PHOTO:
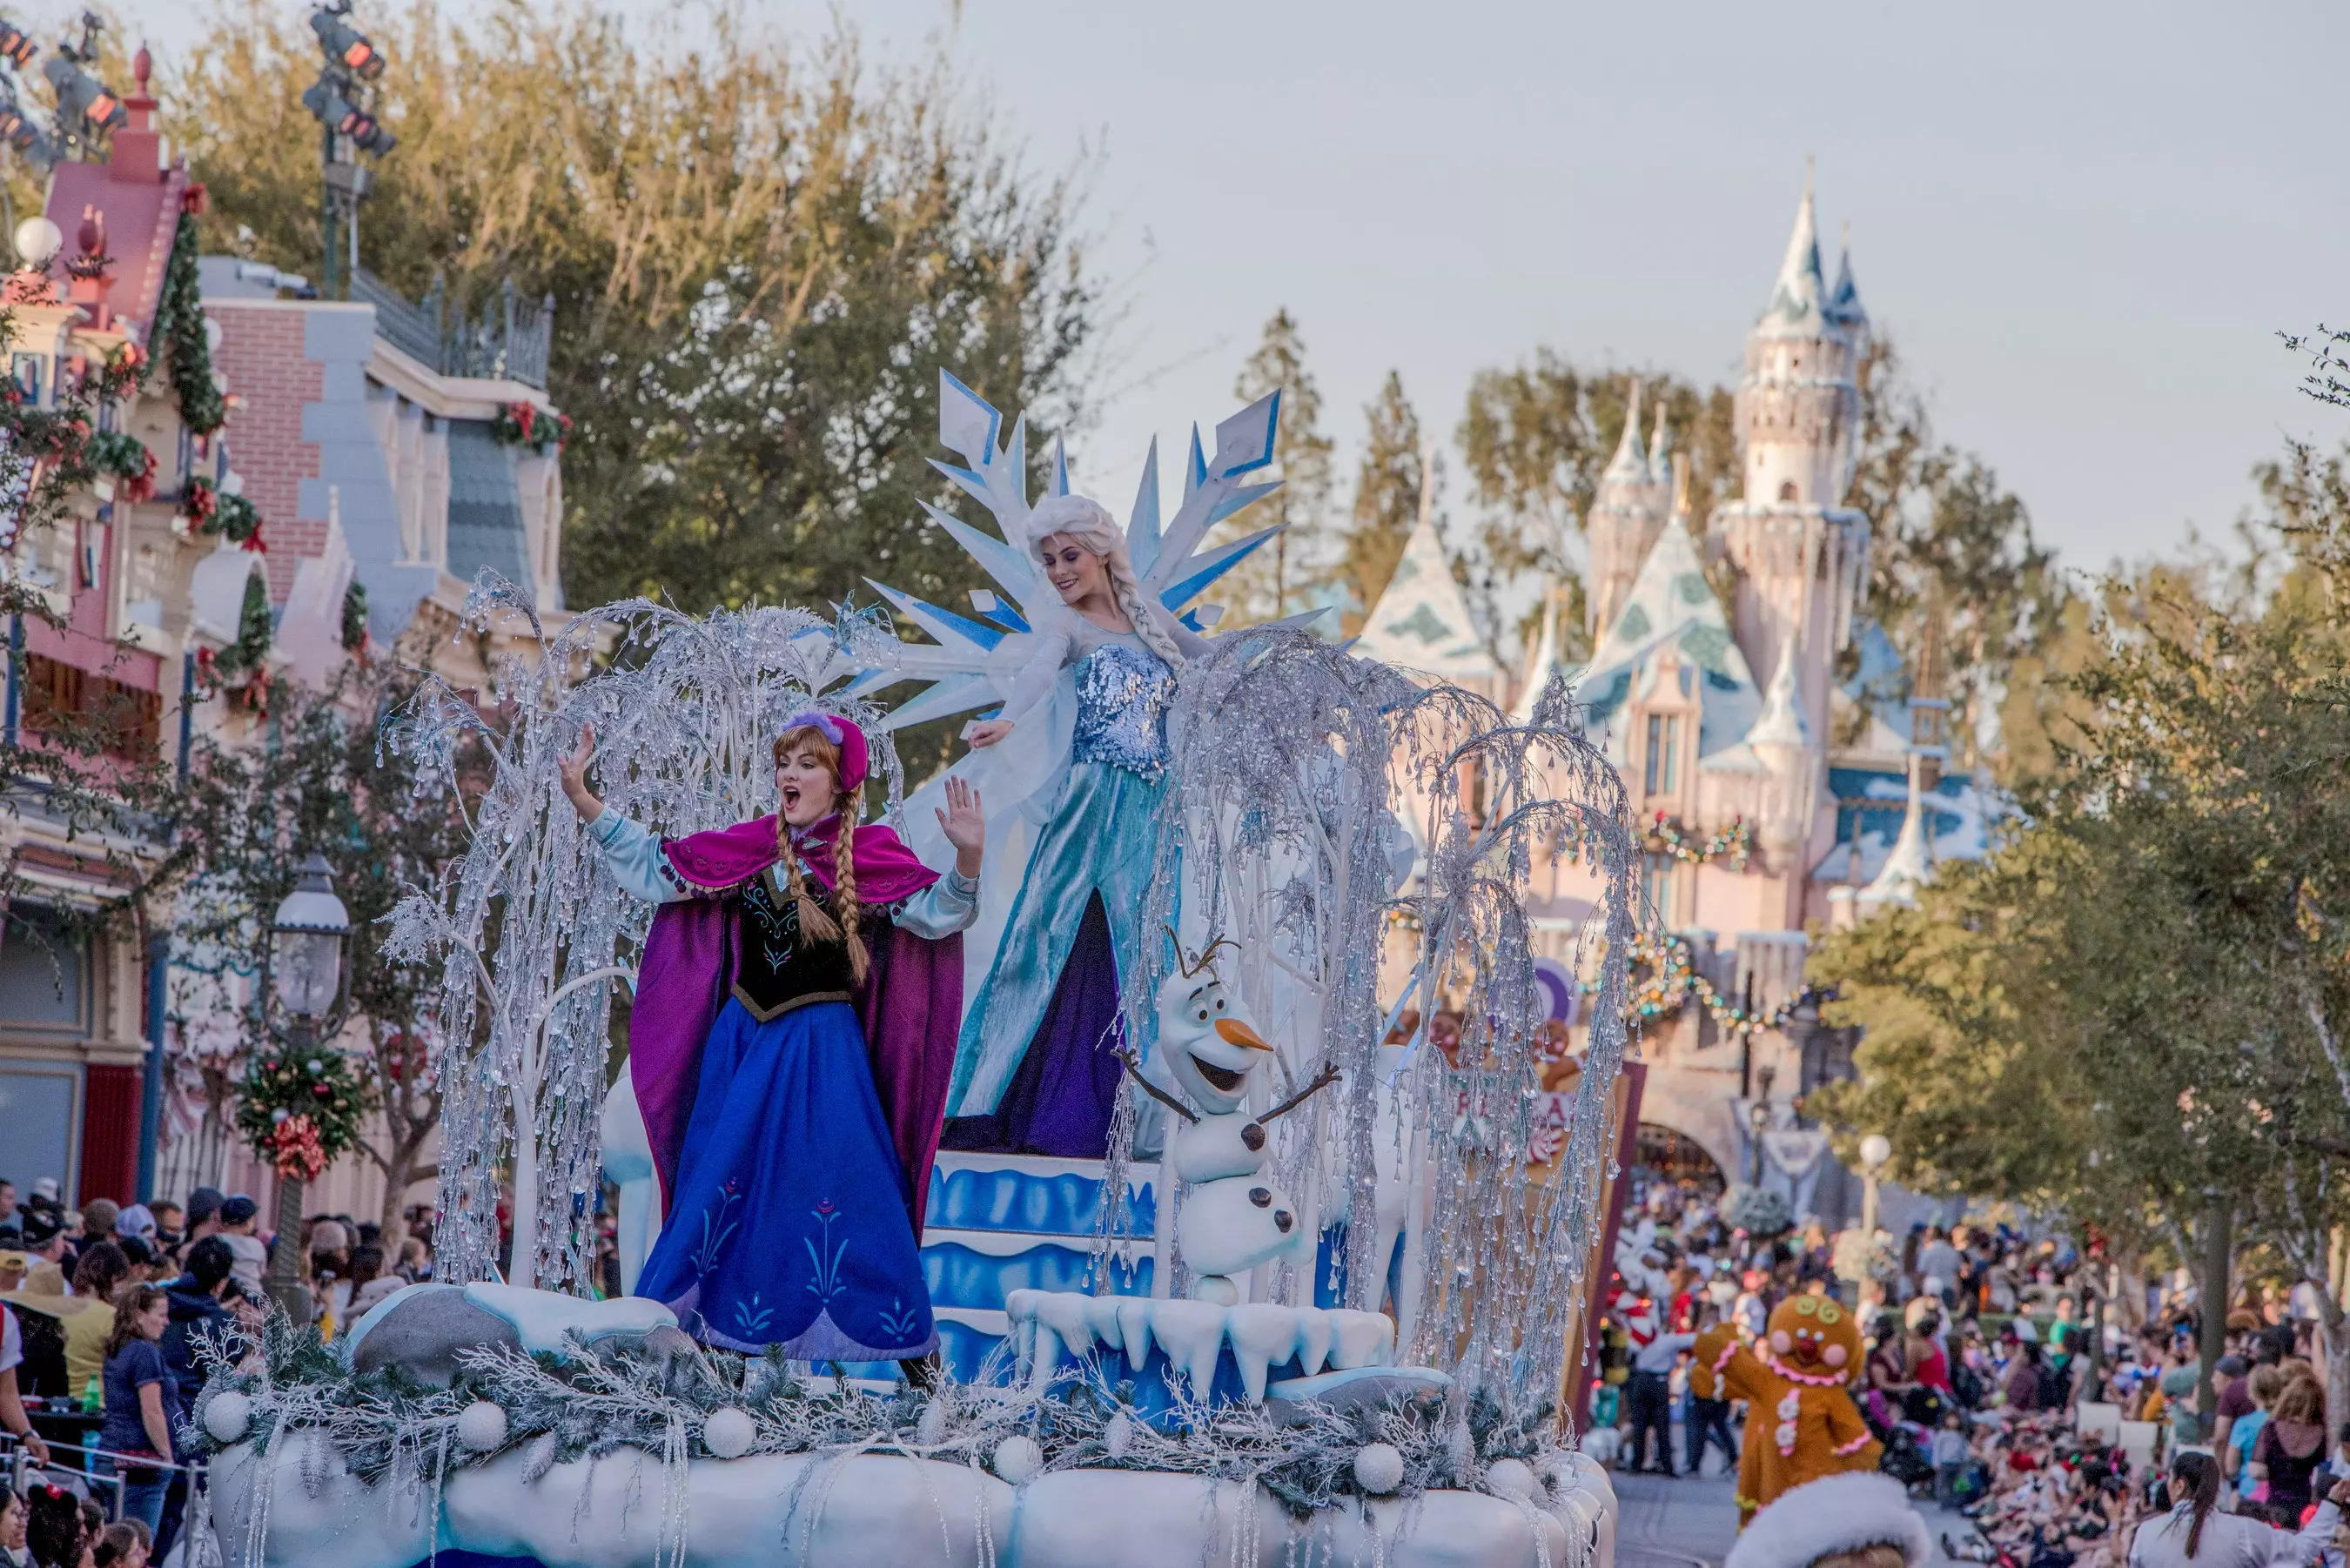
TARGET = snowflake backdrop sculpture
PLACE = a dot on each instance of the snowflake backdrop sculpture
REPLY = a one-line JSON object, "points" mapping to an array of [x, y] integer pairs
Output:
{"points": [[1297, 767]]}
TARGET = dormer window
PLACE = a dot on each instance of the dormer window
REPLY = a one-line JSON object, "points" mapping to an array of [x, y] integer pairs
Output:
{"points": [[1663, 767], [30, 372], [1787, 491]]}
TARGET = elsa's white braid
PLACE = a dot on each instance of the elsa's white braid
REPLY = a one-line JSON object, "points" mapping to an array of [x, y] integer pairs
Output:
{"points": [[1129, 600], [1089, 524]]}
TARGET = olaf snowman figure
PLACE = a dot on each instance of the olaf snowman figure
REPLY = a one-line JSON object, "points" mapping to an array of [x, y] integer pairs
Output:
{"points": [[1230, 1220]]}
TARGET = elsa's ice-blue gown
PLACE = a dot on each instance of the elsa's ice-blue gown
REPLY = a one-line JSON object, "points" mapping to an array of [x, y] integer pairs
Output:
{"points": [[1035, 1070]]}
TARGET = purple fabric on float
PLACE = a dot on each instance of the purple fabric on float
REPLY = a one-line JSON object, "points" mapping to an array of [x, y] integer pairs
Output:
{"points": [[911, 1010], [688, 972], [887, 871], [1062, 1097]]}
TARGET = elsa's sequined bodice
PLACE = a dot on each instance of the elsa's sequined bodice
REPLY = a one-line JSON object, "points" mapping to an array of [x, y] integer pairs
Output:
{"points": [[1123, 692]]}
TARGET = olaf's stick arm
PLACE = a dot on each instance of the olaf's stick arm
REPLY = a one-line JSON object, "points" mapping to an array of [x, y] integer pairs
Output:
{"points": [[1329, 1076], [1134, 1067]]}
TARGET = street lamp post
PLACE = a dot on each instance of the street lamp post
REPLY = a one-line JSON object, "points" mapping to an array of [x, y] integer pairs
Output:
{"points": [[305, 972], [1758, 1121], [1875, 1150]]}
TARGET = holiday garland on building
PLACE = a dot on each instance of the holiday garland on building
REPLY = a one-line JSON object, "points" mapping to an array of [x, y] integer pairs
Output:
{"points": [[355, 618], [216, 512], [525, 424], [1734, 843], [299, 1108], [125, 459], [1664, 977], [179, 330]]}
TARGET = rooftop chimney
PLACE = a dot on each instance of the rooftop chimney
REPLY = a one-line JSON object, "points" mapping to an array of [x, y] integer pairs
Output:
{"points": [[136, 157]]}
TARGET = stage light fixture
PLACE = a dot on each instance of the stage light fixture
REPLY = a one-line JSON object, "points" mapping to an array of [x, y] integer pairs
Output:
{"points": [[16, 47], [82, 97], [326, 103], [346, 45]]}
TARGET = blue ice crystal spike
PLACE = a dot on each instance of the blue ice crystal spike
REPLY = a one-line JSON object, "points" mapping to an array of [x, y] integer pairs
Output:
{"points": [[954, 694], [942, 623], [1014, 477], [1143, 527], [1243, 496], [1197, 474], [1060, 468], [971, 484], [1209, 564], [1014, 571], [1244, 442], [967, 423]]}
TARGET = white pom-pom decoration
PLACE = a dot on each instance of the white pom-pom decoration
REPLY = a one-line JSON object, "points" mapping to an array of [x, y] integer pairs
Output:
{"points": [[482, 1426], [1018, 1457], [1512, 1479], [1378, 1468], [729, 1433], [1117, 1435], [229, 1417]]}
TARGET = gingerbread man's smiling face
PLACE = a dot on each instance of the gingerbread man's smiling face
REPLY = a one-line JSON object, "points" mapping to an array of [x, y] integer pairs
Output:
{"points": [[1813, 1334]]}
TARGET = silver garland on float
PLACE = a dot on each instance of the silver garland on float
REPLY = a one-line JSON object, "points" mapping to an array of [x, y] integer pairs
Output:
{"points": [[528, 929], [1295, 770]]}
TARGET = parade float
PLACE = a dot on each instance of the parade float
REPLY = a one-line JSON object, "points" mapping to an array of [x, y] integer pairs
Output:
{"points": [[1240, 1266]]}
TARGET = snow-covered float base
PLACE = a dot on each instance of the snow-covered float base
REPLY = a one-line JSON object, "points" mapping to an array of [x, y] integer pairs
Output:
{"points": [[872, 1510]]}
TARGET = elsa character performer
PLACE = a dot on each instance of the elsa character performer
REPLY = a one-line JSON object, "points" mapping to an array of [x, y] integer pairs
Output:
{"points": [[788, 1048], [1037, 1070]]}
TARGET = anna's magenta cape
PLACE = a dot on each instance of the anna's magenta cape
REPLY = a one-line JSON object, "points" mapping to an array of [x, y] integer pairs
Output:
{"points": [[910, 1006]]}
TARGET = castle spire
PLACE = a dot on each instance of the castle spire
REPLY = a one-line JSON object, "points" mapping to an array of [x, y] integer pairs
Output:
{"points": [[1844, 300], [1629, 465], [1660, 446], [1801, 291]]}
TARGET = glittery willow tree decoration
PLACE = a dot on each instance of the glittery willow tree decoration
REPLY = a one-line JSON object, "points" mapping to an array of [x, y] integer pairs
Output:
{"points": [[529, 932], [1296, 769]]}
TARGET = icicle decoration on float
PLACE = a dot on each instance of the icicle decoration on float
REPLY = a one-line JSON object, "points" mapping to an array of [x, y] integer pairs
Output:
{"points": [[1295, 764], [529, 932]]}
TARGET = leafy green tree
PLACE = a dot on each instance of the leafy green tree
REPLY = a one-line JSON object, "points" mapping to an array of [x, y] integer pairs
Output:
{"points": [[1387, 500], [1952, 561], [760, 255], [1291, 573]]}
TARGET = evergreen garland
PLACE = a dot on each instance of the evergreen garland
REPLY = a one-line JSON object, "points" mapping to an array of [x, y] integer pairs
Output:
{"points": [[253, 631], [384, 1423], [354, 616], [180, 329]]}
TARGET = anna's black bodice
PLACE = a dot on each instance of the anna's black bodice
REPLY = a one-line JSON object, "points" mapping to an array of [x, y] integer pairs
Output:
{"points": [[778, 971]]}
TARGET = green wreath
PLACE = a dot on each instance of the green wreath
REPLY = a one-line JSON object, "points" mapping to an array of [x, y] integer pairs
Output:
{"points": [[300, 1109]]}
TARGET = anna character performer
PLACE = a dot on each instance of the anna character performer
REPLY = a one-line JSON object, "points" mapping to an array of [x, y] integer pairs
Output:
{"points": [[1037, 1069], [792, 1028]]}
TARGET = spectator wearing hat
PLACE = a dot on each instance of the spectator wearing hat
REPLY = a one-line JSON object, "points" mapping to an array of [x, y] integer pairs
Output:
{"points": [[238, 1218], [204, 1213], [204, 1302], [44, 1246]]}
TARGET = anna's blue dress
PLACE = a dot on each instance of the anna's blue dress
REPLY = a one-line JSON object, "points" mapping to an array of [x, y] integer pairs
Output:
{"points": [[787, 1222], [1035, 1068]]}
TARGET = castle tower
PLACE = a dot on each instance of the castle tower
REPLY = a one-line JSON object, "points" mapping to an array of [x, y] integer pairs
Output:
{"points": [[1627, 511], [1801, 555]]}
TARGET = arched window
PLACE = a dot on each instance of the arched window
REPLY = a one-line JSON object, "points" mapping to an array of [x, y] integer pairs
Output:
{"points": [[1787, 491]]}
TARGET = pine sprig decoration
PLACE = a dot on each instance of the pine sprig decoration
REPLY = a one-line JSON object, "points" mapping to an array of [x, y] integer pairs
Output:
{"points": [[179, 334], [563, 1409]]}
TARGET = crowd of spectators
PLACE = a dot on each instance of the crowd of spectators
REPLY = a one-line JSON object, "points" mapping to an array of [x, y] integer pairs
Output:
{"points": [[2002, 1372], [108, 1316]]}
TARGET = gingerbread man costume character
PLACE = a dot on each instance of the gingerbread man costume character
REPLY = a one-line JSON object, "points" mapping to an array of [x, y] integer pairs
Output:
{"points": [[1801, 1421]]}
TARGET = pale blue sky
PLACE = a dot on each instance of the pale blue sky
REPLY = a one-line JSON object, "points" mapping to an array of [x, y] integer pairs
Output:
{"points": [[2083, 224]]}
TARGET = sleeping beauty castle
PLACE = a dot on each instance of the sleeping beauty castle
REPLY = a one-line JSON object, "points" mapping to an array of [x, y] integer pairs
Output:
{"points": [[1775, 797]]}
